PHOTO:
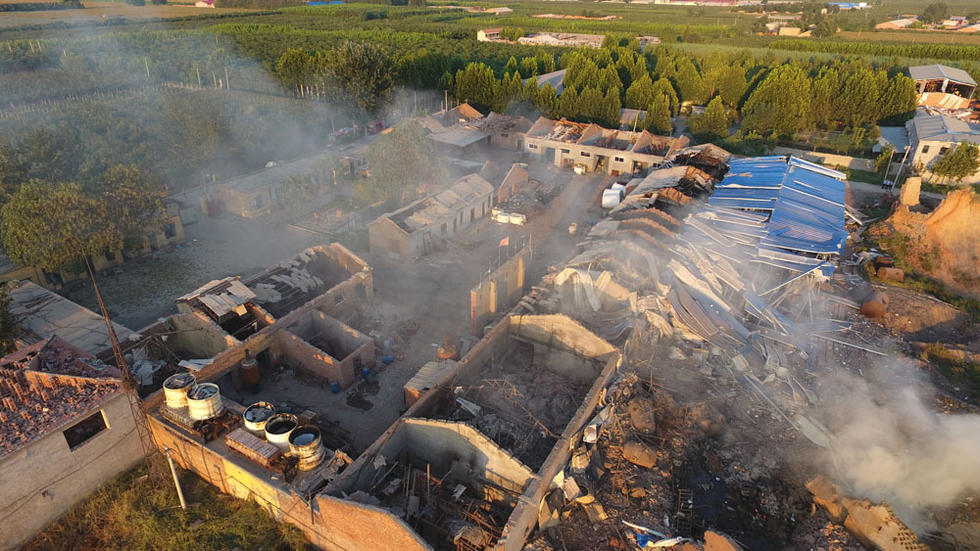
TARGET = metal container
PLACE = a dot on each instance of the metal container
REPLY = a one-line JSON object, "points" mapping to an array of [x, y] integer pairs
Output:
{"points": [[306, 444], [204, 402], [249, 370], [278, 428], [175, 389], [256, 416]]}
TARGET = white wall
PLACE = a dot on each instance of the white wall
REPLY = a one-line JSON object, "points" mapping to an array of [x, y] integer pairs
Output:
{"points": [[41, 481]]}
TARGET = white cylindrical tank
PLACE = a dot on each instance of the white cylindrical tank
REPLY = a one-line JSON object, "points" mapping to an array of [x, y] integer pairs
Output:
{"points": [[256, 416], [278, 428], [305, 442], [175, 389], [204, 402], [611, 198]]}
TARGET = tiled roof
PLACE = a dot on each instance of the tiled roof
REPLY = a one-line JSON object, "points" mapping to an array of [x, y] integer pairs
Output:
{"points": [[46, 385]]}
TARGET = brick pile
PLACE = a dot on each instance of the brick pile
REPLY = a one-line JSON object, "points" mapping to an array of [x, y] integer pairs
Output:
{"points": [[47, 385]]}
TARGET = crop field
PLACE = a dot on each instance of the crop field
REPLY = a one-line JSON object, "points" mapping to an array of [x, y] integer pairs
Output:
{"points": [[100, 11]]}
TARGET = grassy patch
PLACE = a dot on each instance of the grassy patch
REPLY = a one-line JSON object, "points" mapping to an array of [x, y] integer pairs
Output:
{"points": [[954, 368], [863, 176], [945, 189], [899, 247], [132, 512]]}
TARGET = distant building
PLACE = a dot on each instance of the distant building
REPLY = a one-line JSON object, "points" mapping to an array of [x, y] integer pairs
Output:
{"points": [[555, 78], [896, 24], [564, 39], [44, 314], [943, 86], [955, 21], [66, 428], [648, 41], [256, 194], [412, 231], [851, 5], [794, 31], [590, 147], [932, 136], [499, 11], [488, 35], [975, 28]]}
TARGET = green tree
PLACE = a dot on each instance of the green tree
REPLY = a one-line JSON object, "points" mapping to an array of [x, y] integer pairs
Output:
{"points": [[511, 66], [857, 103], [731, 84], [958, 163], [529, 67], [640, 94], [612, 117], [935, 13], [568, 104], [883, 160], [827, 26], [826, 91], [658, 115], [713, 124], [591, 105], [131, 201], [52, 225], [364, 72], [402, 162], [476, 85], [664, 87], [689, 82], [780, 104], [9, 328], [898, 100], [546, 100]]}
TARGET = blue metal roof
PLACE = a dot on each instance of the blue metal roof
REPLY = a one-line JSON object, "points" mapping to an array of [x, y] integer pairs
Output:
{"points": [[804, 203]]}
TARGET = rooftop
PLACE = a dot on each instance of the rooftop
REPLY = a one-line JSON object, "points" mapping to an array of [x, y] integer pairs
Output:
{"points": [[944, 128], [44, 313], [941, 72], [287, 285], [429, 210], [796, 209], [220, 296], [47, 385]]}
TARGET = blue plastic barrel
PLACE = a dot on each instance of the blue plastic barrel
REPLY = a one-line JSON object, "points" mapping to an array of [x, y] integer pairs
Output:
{"points": [[365, 372], [387, 359], [335, 387]]}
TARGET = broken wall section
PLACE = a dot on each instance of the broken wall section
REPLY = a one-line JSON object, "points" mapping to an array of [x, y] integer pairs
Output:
{"points": [[498, 291]]}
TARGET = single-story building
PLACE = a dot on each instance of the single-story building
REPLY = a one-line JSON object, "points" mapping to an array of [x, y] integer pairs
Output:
{"points": [[488, 35], [67, 428], [896, 24], [944, 79], [410, 231], [590, 147], [932, 136]]}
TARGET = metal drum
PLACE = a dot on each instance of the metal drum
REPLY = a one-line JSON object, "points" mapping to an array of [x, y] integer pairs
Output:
{"points": [[175, 389], [256, 416], [306, 444], [278, 429], [204, 402]]}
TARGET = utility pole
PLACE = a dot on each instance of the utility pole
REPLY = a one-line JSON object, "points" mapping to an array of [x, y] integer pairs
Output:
{"points": [[129, 382], [173, 471], [147, 65]]}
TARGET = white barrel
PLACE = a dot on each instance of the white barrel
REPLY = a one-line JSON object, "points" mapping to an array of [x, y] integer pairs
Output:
{"points": [[256, 416], [305, 442], [204, 402], [611, 198], [278, 428], [175, 389]]}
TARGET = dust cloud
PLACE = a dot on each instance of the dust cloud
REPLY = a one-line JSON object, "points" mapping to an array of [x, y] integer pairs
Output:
{"points": [[892, 446]]}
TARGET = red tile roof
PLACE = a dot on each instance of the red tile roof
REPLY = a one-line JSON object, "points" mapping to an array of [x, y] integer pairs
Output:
{"points": [[45, 386]]}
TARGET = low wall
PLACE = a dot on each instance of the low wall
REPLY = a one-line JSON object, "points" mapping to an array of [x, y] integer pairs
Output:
{"points": [[499, 291], [829, 159]]}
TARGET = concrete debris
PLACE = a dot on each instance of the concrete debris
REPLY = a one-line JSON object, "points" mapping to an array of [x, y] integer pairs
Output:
{"points": [[716, 541], [640, 410], [875, 525], [640, 454]]}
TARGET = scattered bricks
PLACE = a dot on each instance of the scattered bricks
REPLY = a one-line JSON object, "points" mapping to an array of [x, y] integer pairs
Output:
{"points": [[640, 454], [641, 415], [891, 274]]}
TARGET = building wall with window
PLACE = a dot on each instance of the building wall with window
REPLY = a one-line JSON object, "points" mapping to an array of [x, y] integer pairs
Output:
{"points": [[43, 479]]}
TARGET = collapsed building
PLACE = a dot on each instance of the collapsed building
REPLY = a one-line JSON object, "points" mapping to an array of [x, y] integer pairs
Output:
{"points": [[592, 148], [67, 428], [415, 230]]}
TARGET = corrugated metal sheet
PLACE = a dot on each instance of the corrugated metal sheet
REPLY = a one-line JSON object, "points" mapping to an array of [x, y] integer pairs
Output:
{"points": [[795, 207]]}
